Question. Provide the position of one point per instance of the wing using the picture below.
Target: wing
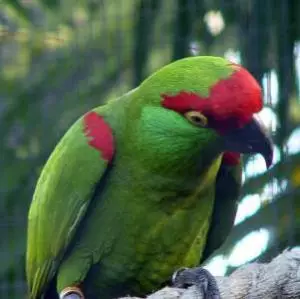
(63, 193)
(228, 185)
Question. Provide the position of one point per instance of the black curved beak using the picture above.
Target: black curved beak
(252, 138)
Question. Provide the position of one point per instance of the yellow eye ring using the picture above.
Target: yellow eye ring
(196, 118)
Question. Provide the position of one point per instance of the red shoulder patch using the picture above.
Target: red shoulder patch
(99, 134)
(231, 158)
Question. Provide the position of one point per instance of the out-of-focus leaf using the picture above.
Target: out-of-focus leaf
(279, 217)
(19, 7)
(256, 184)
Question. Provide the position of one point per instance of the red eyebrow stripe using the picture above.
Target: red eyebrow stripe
(237, 96)
(184, 101)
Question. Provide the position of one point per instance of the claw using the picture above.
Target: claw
(201, 278)
(71, 293)
(176, 273)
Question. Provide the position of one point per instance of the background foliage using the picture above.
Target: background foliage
(59, 59)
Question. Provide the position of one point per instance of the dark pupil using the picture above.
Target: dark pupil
(197, 119)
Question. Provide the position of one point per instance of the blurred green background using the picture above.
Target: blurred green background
(59, 59)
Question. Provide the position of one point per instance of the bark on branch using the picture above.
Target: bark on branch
(278, 279)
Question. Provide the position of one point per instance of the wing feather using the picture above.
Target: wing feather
(62, 196)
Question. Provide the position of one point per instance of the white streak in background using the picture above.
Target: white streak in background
(270, 87)
(272, 189)
(249, 205)
(217, 266)
(233, 56)
(256, 164)
(250, 247)
(276, 155)
(214, 22)
(269, 118)
(243, 177)
(293, 142)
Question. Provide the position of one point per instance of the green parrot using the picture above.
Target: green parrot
(145, 184)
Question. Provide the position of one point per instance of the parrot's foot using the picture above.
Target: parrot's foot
(71, 293)
(201, 278)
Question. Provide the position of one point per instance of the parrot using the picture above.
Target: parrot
(145, 184)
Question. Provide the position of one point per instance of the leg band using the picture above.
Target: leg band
(69, 291)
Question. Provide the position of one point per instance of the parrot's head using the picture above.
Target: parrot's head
(200, 108)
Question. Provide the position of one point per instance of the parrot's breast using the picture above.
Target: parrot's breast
(148, 234)
(140, 228)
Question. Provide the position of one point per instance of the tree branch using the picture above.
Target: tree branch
(278, 279)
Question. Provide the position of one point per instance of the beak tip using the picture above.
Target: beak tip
(252, 138)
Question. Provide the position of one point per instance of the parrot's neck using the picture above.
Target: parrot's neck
(174, 187)
(175, 165)
(151, 152)
(185, 190)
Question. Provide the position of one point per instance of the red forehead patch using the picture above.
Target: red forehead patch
(99, 134)
(234, 99)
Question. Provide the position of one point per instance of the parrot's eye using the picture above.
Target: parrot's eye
(196, 118)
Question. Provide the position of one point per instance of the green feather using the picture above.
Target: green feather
(193, 74)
